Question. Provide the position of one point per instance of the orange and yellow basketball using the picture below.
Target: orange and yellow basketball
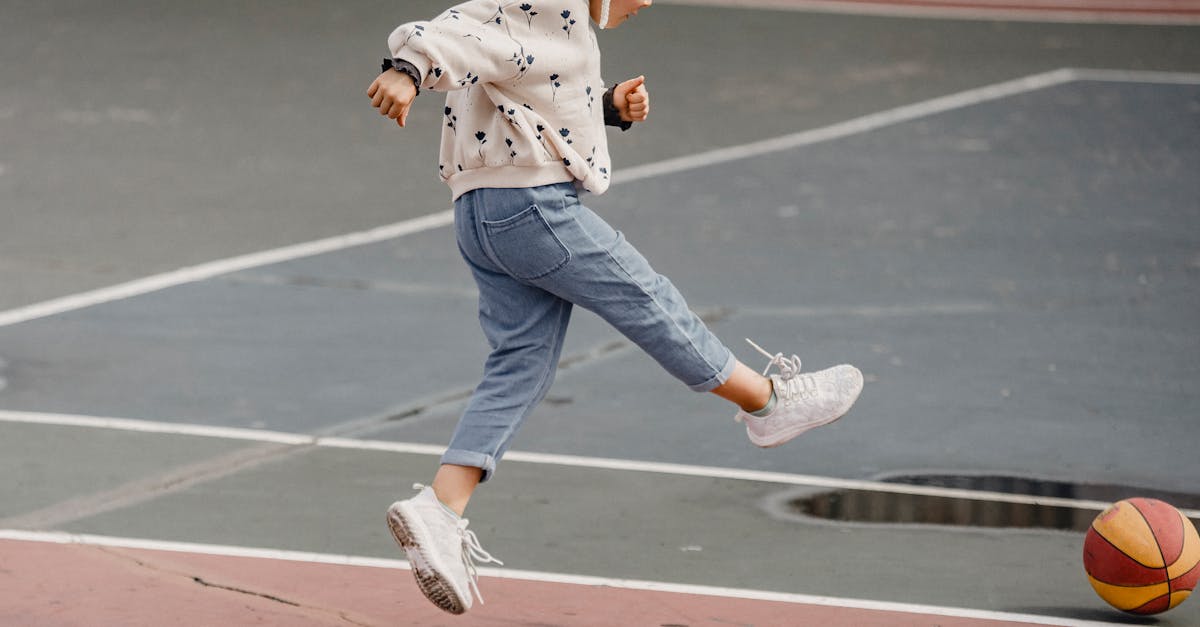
(1142, 556)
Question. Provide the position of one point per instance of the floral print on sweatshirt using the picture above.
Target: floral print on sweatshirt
(520, 80)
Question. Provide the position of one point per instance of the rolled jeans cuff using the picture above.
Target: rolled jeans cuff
(461, 457)
(721, 377)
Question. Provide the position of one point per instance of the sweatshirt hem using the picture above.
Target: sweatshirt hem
(507, 176)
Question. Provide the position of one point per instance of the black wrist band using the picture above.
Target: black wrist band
(612, 117)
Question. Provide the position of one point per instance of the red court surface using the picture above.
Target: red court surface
(49, 584)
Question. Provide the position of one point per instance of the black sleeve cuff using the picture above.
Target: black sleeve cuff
(400, 65)
(612, 117)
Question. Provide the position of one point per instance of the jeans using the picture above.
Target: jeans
(534, 253)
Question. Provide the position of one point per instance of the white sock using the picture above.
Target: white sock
(449, 511)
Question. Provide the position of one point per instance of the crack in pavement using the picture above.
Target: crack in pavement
(157, 568)
(269, 597)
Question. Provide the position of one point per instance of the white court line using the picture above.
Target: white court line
(54, 537)
(445, 218)
(1137, 76)
(1084, 12)
(848, 128)
(148, 426)
(431, 221)
(577, 461)
(224, 266)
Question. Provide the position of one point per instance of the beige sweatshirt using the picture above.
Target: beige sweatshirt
(523, 92)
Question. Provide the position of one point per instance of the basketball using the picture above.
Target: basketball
(1142, 556)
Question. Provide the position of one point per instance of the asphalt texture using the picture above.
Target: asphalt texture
(1018, 279)
(147, 136)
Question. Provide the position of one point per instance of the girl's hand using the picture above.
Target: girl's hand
(392, 93)
(632, 100)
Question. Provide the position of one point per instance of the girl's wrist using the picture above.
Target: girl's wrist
(404, 67)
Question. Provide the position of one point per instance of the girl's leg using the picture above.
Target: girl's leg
(455, 484)
(745, 388)
(524, 325)
(608, 276)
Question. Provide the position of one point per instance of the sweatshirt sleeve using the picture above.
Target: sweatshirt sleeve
(467, 45)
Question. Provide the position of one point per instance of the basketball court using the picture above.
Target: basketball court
(238, 327)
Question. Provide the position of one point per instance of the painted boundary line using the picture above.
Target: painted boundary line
(54, 537)
(552, 459)
(211, 269)
(1148, 12)
(848, 128)
(906, 113)
(1137, 76)
(428, 222)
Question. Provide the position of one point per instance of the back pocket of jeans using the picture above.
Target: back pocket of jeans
(525, 245)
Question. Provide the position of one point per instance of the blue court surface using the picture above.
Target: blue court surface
(1015, 268)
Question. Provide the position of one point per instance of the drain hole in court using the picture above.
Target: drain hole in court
(870, 506)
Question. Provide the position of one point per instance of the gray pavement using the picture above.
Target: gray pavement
(144, 136)
(1018, 279)
(1041, 305)
(44, 465)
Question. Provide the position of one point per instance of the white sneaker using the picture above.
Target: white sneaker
(804, 400)
(440, 549)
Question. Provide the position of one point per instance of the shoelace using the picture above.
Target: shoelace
(796, 384)
(472, 551)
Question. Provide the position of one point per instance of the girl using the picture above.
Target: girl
(523, 132)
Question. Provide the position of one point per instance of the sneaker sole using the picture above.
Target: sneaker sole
(410, 534)
(779, 439)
